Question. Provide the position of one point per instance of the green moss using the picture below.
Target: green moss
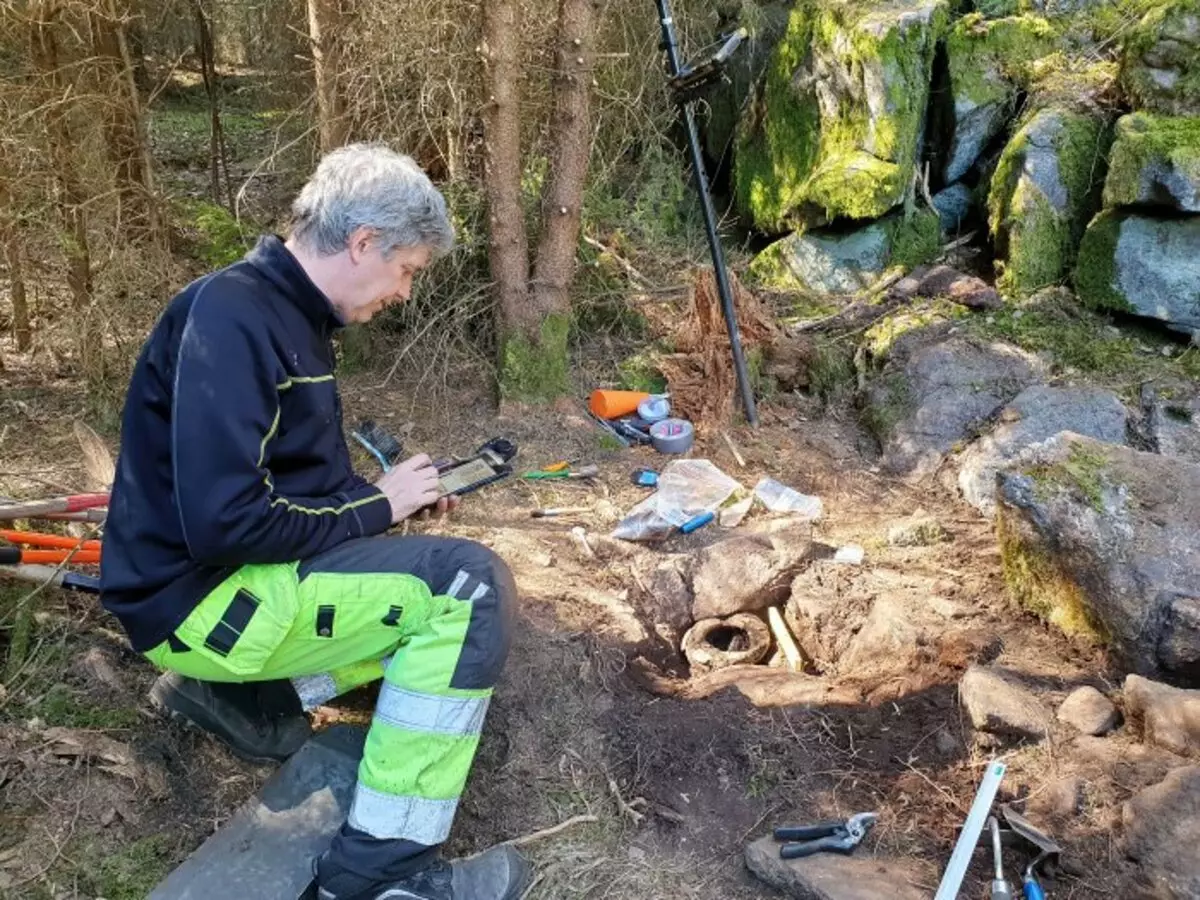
(882, 336)
(1096, 271)
(777, 145)
(63, 707)
(1037, 242)
(536, 370)
(640, 372)
(990, 59)
(1081, 473)
(1038, 583)
(916, 239)
(129, 872)
(1143, 141)
(831, 373)
(217, 238)
(792, 162)
(854, 184)
(888, 406)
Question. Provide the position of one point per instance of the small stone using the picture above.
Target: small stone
(1089, 711)
(999, 706)
(745, 573)
(1169, 717)
(831, 876)
(919, 531)
(946, 743)
(1162, 829)
(1060, 799)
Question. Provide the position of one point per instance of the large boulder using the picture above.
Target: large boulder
(1161, 65)
(931, 396)
(1043, 193)
(846, 262)
(837, 126)
(1148, 266)
(1162, 829)
(1037, 414)
(988, 63)
(1155, 161)
(953, 205)
(1104, 542)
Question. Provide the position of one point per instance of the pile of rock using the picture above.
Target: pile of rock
(1004, 123)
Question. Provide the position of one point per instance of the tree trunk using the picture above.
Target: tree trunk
(325, 23)
(44, 52)
(217, 154)
(10, 249)
(571, 125)
(534, 315)
(22, 330)
(128, 148)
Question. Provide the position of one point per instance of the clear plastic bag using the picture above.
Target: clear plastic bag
(686, 488)
(778, 497)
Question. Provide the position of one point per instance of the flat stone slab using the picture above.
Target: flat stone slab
(831, 876)
(266, 849)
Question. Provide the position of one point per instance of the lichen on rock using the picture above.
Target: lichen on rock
(1144, 265)
(838, 123)
(988, 62)
(1045, 189)
(837, 262)
(1160, 68)
(1155, 161)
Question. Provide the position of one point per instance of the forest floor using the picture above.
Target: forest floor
(100, 798)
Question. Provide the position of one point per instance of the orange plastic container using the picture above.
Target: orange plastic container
(614, 404)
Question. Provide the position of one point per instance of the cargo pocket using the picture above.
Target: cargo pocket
(241, 623)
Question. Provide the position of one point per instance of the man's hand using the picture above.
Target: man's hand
(410, 486)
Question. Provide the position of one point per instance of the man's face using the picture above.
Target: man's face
(379, 281)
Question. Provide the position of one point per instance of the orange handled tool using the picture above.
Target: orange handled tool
(57, 541)
(15, 556)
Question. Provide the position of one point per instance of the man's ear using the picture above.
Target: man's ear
(359, 243)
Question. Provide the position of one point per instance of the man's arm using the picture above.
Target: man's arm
(225, 412)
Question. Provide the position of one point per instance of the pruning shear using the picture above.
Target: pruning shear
(840, 836)
(57, 548)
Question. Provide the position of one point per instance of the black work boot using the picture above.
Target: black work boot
(497, 874)
(259, 721)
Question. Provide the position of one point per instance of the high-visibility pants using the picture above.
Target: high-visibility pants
(431, 616)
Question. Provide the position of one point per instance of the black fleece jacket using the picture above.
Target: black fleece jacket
(232, 450)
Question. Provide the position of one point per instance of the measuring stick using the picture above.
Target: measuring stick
(956, 870)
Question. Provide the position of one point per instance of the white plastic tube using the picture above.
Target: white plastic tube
(956, 870)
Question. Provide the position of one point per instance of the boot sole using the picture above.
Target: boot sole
(176, 715)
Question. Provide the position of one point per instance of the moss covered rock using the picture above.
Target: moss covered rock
(1044, 191)
(1143, 265)
(847, 262)
(1104, 542)
(837, 125)
(1161, 65)
(988, 62)
(1155, 161)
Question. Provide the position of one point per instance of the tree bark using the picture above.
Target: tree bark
(325, 25)
(571, 125)
(22, 330)
(44, 51)
(508, 246)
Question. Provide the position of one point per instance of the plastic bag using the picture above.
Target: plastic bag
(778, 497)
(686, 488)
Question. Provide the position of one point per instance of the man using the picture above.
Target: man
(243, 555)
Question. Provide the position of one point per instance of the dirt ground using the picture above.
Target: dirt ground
(98, 798)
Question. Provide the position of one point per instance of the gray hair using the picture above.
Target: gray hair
(372, 186)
